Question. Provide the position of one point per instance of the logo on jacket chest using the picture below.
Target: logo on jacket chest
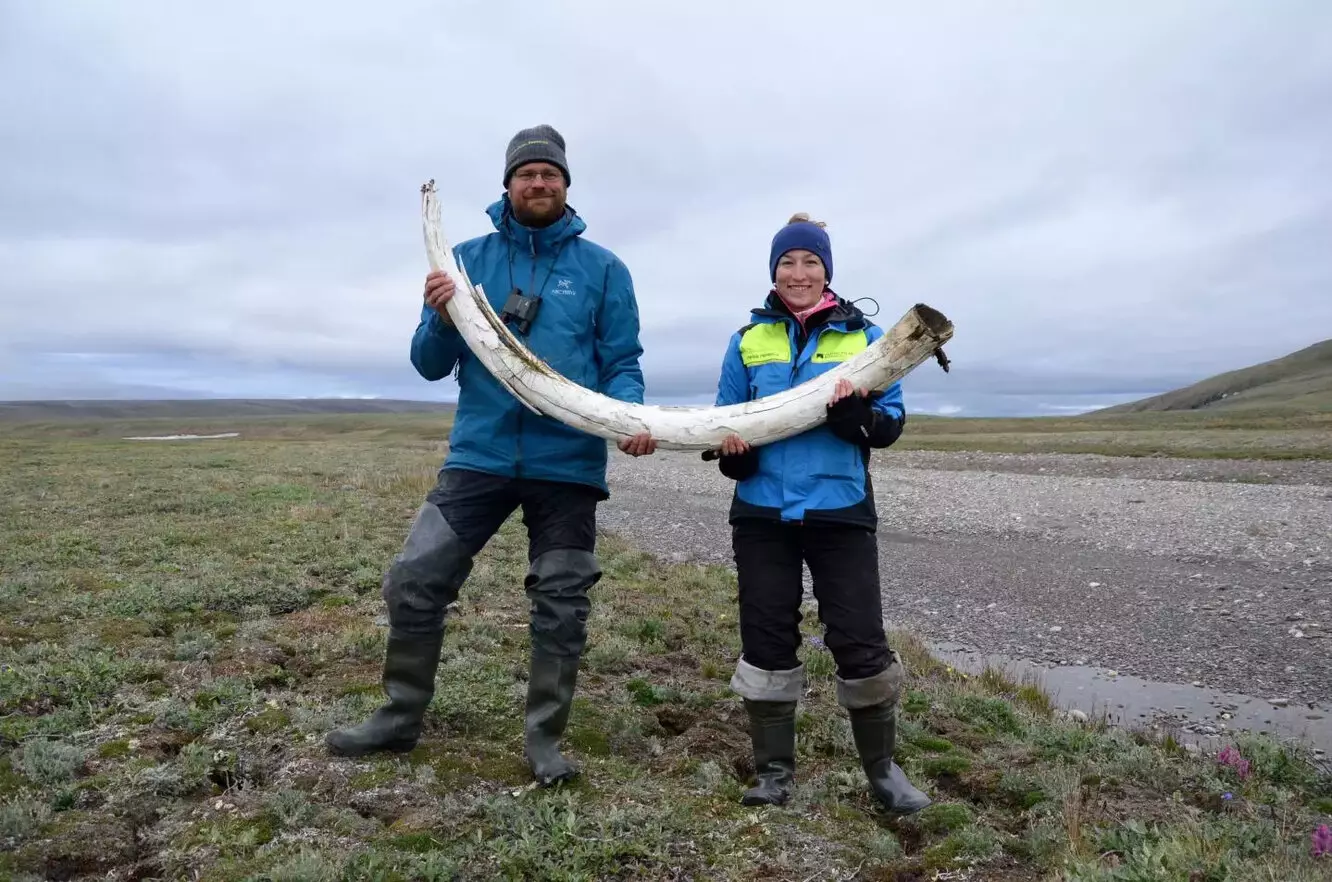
(564, 288)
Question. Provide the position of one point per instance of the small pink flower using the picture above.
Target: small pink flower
(1230, 756)
(1322, 841)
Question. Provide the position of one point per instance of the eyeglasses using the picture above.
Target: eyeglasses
(527, 176)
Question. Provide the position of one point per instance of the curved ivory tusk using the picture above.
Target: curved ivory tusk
(916, 337)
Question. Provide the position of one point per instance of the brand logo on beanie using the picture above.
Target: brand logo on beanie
(516, 147)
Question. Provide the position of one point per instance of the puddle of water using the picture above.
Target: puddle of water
(181, 437)
(1191, 713)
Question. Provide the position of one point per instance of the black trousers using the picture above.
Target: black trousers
(844, 563)
(556, 514)
(459, 517)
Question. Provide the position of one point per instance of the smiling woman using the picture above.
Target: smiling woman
(808, 500)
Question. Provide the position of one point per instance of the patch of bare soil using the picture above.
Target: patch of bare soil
(717, 733)
(90, 844)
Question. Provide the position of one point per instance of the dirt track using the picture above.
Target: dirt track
(1170, 570)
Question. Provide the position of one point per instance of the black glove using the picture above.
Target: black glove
(855, 421)
(738, 466)
(851, 418)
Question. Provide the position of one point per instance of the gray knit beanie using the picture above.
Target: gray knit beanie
(538, 144)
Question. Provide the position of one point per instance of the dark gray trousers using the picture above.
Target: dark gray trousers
(458, 518)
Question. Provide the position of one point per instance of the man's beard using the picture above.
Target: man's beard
(529, 218)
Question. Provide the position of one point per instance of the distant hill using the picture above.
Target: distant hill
(209, 408)
(1301, 381)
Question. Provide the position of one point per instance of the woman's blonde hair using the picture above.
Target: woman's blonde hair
(803, 217)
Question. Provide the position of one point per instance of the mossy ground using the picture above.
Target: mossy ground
(181, 623)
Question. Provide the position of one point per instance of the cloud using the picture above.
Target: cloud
(222, 200)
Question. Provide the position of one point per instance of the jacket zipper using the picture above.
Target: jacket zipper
(796, 329)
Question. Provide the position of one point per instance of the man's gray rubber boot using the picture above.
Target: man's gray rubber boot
(772, 731)
(550, 694)
(875, 731)
(410, 662)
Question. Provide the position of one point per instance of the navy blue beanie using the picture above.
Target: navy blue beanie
(801, 234)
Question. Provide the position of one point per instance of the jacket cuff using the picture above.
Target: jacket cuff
(441, 328)
(885, 431)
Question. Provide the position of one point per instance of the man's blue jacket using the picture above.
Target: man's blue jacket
(587, 328)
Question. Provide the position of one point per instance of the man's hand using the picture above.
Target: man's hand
(642, 444)
(439, 290)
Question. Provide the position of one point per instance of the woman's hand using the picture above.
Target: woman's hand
(843, 389)
(850, 416)
(733, 445)
(737, 460)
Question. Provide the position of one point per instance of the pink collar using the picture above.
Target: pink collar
(802, 315)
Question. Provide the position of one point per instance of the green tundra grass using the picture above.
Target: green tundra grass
(180, 623)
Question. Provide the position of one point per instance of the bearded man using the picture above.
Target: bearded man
(572, 303)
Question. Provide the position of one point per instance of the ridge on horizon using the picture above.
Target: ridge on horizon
(1299, 382)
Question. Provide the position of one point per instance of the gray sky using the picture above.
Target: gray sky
(1108, 200)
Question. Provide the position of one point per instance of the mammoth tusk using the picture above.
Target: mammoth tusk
(917, 336)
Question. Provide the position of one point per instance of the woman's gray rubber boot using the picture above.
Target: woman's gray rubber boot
(875, 731)
(410, 662)
(772, 731)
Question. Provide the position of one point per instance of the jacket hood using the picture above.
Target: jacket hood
(501, 215)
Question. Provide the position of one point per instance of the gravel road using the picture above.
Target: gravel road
(1210, 572)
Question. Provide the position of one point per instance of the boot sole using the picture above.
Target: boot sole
(902, 812)
(348, 751)
(559, 778)
(555, 781)
(752, 801)
(754, 798)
